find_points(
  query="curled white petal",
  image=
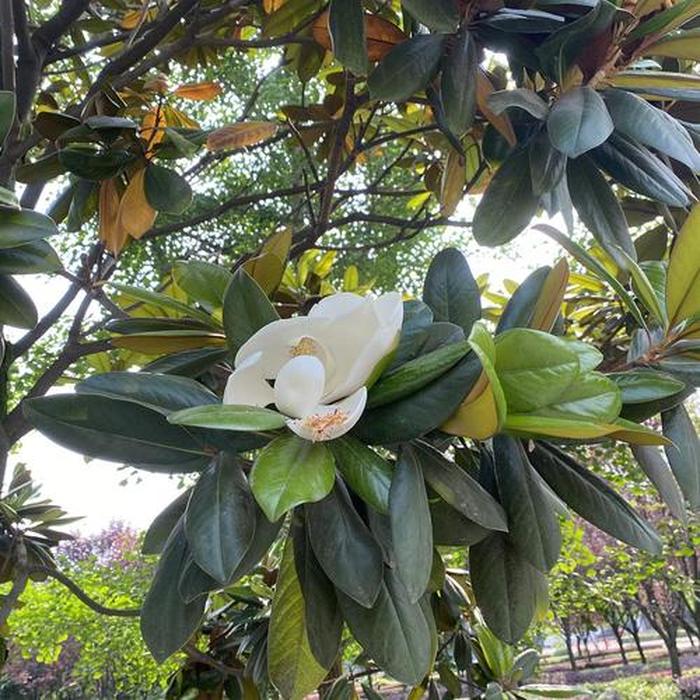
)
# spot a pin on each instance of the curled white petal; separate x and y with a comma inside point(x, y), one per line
point(327, 422)
point(360, 341)
point(299, 386)
point(337, 305)
point(247, 385)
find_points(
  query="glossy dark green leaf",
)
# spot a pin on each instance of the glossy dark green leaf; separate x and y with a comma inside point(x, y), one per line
point(418, 414)
point(159, 392)
point(417, 320)
point(166, 190)
point(117, 431)
point(660, 474)
point(638, 169)
point(640, 121)
point(344, 546)
point(29, 259)
point(684, 454)
point(439, 15)
point(365, 472)
point(93, 165)
point(652, 244)
point(188, 363)
point(517, 313)
point(547, 164)
point(451, 291)
point(533, 529)
point(411, 528)
point(397, 634)
point(578, 121)
point(523, 21)
point(104, 122)
point(17, 228)
point(203, 282)
point(451, 528)
point(509, 204)
point(167, 622)
point(194, 581)
point(220, 518)
point(16, 306)
point(598, 208)
point(413, 375)
point(522, 98)
point(346, 23)
point(460, 490)
point(592, 498)
point(407, 68)
point(291, 471)
point(508, 590)
point(44, 168)
point(458, 83)
point(163, 524)
point(562, 47)
point(8, 199)
point(7, 113)
point(324, 623)
point(246, 309)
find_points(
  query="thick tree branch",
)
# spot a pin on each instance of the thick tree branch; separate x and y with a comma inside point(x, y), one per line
point(82, 596)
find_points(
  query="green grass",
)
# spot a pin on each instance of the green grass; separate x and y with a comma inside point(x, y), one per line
point(637, 688)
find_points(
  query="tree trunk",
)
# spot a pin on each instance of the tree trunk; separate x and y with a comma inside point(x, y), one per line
point(634, 631)
point(620, 643)
point(673, 655)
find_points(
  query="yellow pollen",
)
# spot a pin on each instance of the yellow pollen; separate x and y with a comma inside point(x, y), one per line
point(305, 346)
point(321, 423)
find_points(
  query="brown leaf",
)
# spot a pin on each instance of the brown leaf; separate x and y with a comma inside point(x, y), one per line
point(270, 6)
point(499, 121)
point(152, 129)
point(551, 297)
point(111, 233)
point(240, 135)
point(136, 215)
point(452, 185)
point(381, 35)
point(199, 91)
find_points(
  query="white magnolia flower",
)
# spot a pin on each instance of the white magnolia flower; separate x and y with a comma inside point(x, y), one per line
point(321, 364)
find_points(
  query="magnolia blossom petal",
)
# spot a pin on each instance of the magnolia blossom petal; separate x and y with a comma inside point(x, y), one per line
point(327, 422)
point(299, 386)
point(247, 385)
point(278, 341)
point(360, 341)
point(336, 305)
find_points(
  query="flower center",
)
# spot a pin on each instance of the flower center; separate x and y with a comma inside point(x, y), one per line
point(321, 423)
point(306, 346)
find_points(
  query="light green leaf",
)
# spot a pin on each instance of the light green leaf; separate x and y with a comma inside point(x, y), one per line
point(229, 417)
point(291, 471)
point(293, 669)
point(367, 474)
